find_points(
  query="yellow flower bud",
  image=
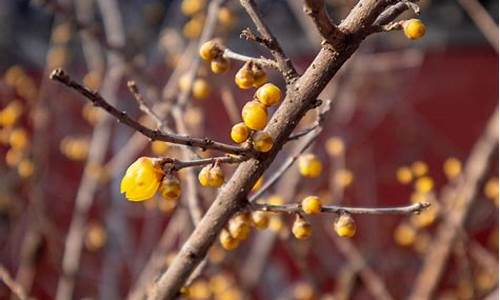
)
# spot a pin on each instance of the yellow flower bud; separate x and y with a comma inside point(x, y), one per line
point(141, 180)
point(18, 138)
point(260, 219)
point(424, 184)
point(159, 148)
point(345, 226)
point(262, 141)
point(201, 89)
point(254, 115)
point(419, 168)
point(244, 77)
point(239, 229)
point(404, 175)
point(170, 188)
point(227, 241)
point(240, 133)
point(452, 167)
point(405, 234)
point(414, 29)
point(309, 165)
point(209, 50)
point(311, 205)
point(301, 229)
point(343, 178)
point(334, 146)
point(25, 168)
point(191, 7)
point(220, 65)
point(259, 76)
point(268, 94)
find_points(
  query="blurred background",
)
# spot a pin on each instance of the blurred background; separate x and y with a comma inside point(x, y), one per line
point(407, 116)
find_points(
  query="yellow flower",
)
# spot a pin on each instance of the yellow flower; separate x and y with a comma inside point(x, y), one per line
point(142, 179)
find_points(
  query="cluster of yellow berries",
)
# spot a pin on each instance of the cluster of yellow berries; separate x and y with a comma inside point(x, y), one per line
point(17, 138)
point(220, 286)
point(194, 10)
point(75, 148)
point(239, 227)
point(145, 177)
point(211, 51)
point(414, 29)
point(255, 118)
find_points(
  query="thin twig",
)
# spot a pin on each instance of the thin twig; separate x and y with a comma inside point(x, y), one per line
point(483, 20)
point(294, 208)
point(15, 287)
point(316, 10)
point(144, 107)
point(176, 164)
point(474, 170)
point(284, 63)
point(261, 61)
point(60, 76)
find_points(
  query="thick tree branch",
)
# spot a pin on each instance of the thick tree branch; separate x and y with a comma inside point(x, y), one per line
point(316, 10)
point(60, 76)
point(232, 196)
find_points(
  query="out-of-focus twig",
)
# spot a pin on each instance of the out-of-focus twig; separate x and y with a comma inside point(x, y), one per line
point(438, 252)
point(15, 287)
point(483, 20)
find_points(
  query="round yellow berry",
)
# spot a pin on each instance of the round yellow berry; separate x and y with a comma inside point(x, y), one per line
point(268, 94)
point(452, 167)
point(193, 28)
point(309, 165)
point(201, 89)
point(262, 141)
point(25, 168)
point(244, 77)
point(184, 82)
point(405, 234)
point(424, 184)
point(404, 175)
point(226, 17)
point(18, 138)
point(93, 80)
point(216, 176)
point(260, 219)
point(334, 146)
point(170, 188)
point(491, 188)
point(159, 147)
point(219, 65)
point(240, 133)
point(10, 114)
point(311, 205)
point(301, 229)
point(239, 229)
point(343, 178)
point(141, 180)
point(96, 237)
point(209, 50)
point(13, 157)
point(259, 76)
point(204, 176)
point(227, 241)
point(414, 29)
point(254, 115)
point(419, 168)
point(191, 7)
point(345, 226)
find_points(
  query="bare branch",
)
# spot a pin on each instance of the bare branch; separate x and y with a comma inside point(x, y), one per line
point(176, 164)
point(60, 76)
point(475, 169)
point(263, 62)
point(316, 10)
point(285, 64)
point(15, 287)
point(144, 107)
point(483, 20)
point(294, 208)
